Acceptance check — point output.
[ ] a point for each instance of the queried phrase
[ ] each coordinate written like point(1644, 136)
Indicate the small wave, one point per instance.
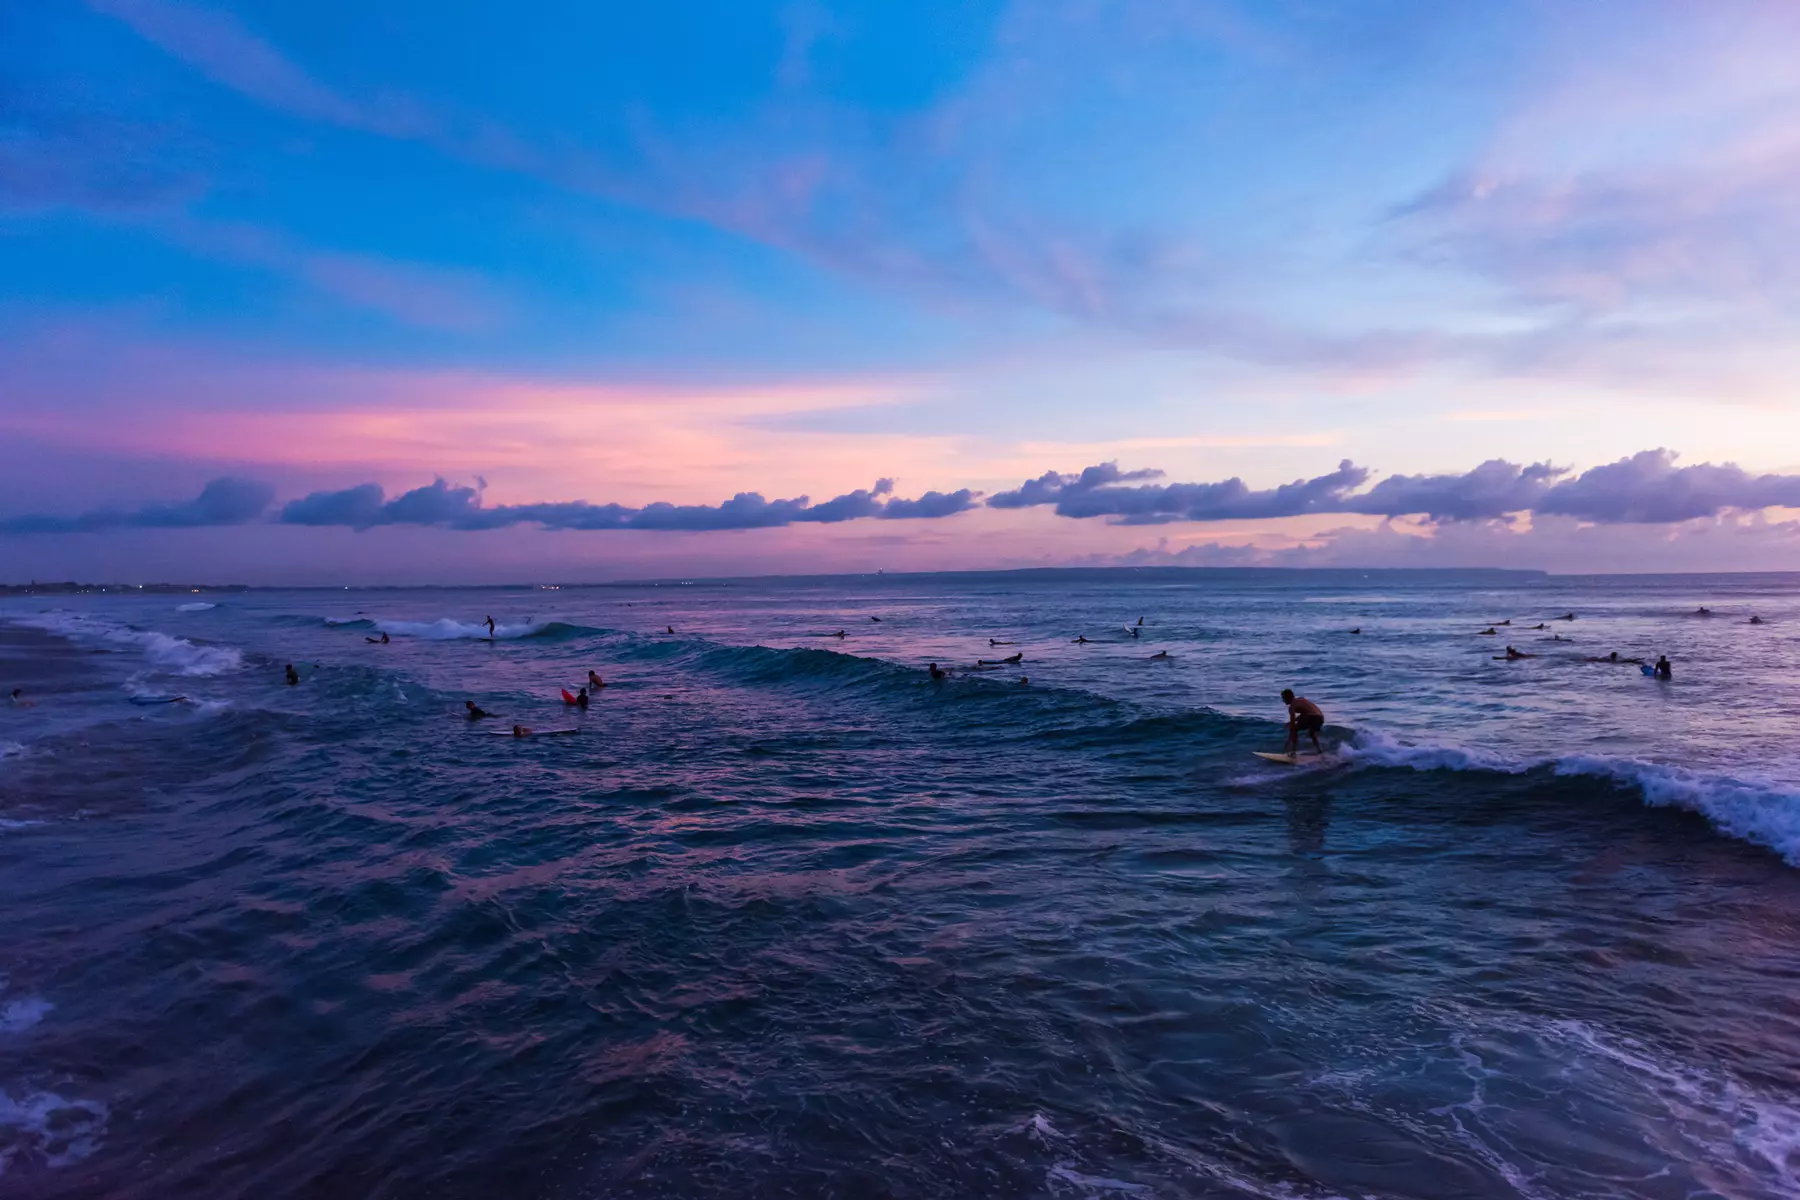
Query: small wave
point(175, 655)
point(16, 1016)
point(346, 622)
point(196, 606)
point(48, 1128)
point(448, 629)
point(13, 750)
point(1764, 813)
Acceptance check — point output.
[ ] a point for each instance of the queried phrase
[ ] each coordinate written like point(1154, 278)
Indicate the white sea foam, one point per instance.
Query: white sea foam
point(447, 629)
point(175, 655)
point(1094, 1183)
point(43, 1125)
point(14, 750)
point(196, 606)
point(16, 1016)
point(1750, 809)
point(10, 823)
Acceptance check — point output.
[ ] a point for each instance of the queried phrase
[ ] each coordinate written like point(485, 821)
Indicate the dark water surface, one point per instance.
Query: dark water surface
point(786, 918)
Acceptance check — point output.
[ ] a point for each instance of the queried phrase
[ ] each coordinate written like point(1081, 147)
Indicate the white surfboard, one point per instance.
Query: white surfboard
point(1289, 759)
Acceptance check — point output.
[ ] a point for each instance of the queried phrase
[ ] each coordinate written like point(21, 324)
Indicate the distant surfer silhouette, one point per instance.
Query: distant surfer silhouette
point(937, 672)
point(490, 625)
point(475, 713)
point(293, 676)
point(595, 682)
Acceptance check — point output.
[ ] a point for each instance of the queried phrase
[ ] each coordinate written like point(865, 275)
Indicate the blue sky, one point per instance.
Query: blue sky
point(662, 255)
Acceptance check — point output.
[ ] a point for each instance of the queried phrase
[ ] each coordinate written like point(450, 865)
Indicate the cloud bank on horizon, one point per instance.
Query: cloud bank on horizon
point(1647, 488)
point(691, 246)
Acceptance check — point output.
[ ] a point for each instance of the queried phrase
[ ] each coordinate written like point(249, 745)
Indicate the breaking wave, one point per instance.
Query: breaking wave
point(1753, 810)
point(175, 655)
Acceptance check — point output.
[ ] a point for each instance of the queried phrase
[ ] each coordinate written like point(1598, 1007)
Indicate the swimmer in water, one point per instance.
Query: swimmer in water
point(670, 629)
point(1508, 621)
point(1540, 625)
point(1303, 717)
point(474, 713)
point(1014, 658)
point(1160, 654)
point(1490, 630)
point(1756, 620)
point(1358, 629)
point(1024, 679)
point(1140, 621)
point(992, 642)
point(838, 634)
point(1703, 611)
point(380, 641)
point(595, 682)
point(1663, 670)
point(937, 672)
point(874, 618)
point(521, 731)
point(19, 701)
point(1135, 631)
point(581, 699)
point(293, 676)
point(1512, 654)
point(1566, 617)
point(1080, 641)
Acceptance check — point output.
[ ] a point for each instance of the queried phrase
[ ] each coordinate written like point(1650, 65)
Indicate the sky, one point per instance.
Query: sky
point(451, 292)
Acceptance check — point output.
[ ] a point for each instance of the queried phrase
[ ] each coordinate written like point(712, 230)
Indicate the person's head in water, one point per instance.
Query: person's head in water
point(293, 676)
point(1287, 695)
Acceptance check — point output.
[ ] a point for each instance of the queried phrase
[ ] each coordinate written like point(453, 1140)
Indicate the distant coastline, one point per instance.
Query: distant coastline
point(1327, 576)
point(70, 588)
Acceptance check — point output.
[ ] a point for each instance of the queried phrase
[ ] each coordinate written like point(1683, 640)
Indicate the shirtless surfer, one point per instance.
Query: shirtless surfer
point(1303, 717)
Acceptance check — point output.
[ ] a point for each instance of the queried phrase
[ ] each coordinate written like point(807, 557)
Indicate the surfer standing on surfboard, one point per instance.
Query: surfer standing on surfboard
point(1303, 717)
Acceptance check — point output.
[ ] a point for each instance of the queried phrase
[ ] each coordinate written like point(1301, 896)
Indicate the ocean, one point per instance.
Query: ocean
point(786, 917)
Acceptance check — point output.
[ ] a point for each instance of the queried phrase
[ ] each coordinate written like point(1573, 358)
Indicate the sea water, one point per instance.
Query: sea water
point(790, 918)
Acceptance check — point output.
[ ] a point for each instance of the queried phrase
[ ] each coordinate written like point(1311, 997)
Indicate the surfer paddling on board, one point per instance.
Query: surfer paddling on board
point(475, 713)
point(1303, 717)
point(595, 683)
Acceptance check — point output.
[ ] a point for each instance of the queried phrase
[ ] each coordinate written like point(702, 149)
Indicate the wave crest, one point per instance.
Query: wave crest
point(175, 655)
point(1752, 810)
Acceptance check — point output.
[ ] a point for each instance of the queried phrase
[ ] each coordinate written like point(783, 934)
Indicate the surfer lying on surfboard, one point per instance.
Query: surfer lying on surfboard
point(1303, 717)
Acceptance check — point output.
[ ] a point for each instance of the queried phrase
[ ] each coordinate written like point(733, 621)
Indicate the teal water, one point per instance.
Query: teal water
point(788, 918)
